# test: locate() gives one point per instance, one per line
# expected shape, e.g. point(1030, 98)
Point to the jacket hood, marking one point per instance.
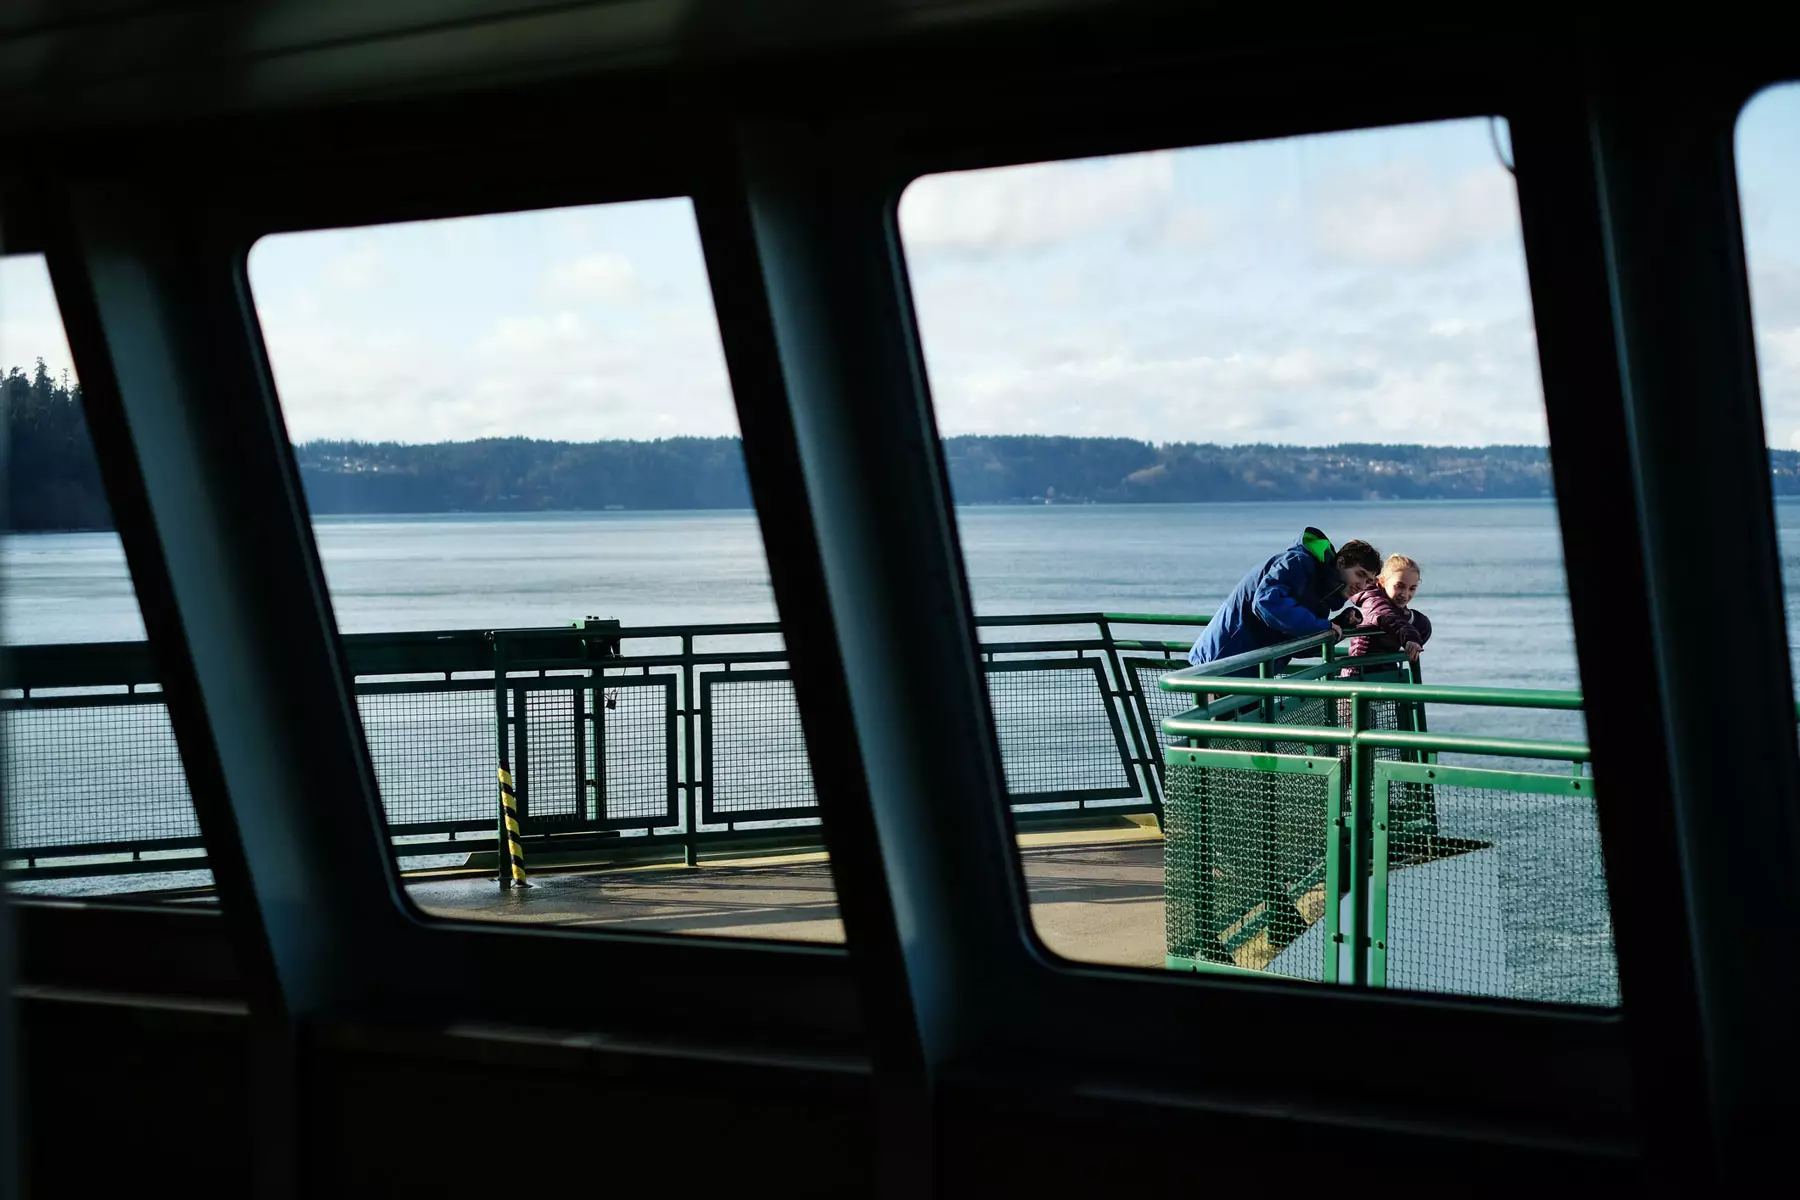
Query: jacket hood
point(1315, 543)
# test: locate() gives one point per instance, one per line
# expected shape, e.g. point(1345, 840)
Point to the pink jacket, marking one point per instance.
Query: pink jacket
point(1397, 624)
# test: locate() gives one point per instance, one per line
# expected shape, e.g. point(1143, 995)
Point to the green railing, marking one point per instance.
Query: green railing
point(684, 734)
point(1312, 831)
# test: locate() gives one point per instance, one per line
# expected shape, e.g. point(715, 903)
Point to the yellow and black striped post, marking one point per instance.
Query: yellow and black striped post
point(513, 853)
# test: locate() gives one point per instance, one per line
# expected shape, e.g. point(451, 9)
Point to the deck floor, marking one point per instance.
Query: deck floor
point(1096, 896)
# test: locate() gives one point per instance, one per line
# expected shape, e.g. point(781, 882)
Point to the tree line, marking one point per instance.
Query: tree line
point(54, 482)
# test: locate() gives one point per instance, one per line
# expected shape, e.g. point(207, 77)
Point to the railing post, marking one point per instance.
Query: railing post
point(509, 857)
point(690, 709)
point(1378, 885)
point(1334, 882)
point(1356, 837)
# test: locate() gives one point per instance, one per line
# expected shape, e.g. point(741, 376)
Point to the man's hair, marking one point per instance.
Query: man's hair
point(1359, 553)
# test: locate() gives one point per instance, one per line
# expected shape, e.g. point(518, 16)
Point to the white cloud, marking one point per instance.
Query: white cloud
point(1212, 294)
point(535, 334)
point(358, 269)
point(547, 375)
point(1399, 215)
point(1188, 227)
point(1018, 208)
point(595, 278)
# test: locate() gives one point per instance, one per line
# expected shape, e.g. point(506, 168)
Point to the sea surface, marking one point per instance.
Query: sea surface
point(1492, 583)
point(1492, 575)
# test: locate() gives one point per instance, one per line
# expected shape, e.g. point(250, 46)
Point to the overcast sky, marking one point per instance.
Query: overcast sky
point(1361, 286)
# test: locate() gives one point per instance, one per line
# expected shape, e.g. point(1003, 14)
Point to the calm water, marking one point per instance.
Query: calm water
point(1493, 571)
point(1493, 579)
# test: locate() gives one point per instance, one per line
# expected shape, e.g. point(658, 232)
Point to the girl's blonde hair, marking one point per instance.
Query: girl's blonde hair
point(1397, 564)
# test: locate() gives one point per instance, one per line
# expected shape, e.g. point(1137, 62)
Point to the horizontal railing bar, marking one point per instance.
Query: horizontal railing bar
point(143, 866)
point(1489, 697)
point(1459, 743)
point(85, 849)
point(1330, 669)
point(608, 632)
point(95, 664)
point(1251, 658)
point(1156, 619)
point(98, 700)
point(1386, 739)
point(1003, 620)
point(1331, 735)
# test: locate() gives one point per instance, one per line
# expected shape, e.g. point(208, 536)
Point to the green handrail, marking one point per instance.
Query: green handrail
point(1491, 697)
point(1156, 619)
point(1383, 739)
point(1252, 658)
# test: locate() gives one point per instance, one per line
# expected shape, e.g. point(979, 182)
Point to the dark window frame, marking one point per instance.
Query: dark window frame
point(1574, 1065)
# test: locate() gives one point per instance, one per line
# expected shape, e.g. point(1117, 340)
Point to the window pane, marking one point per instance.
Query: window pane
point(97, 802)
point(1768, 134)
point(1176, 391)
point(518, 441)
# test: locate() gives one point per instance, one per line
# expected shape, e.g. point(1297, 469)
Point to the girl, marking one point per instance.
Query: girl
point(1387, 608)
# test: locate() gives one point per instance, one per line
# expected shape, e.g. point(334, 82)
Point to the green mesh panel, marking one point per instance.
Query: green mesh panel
point(754, 752)
point(1495, 892)
point(637, 752)
point(1312, 711)
point(550, 784)
point(1056, 730)
point(82, 777)
point(433, 753)
point(1243, 863)
point(1158, 704)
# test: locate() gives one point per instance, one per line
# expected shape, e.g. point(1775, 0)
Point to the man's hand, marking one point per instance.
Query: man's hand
point(1412, 652)
point(1350, 618)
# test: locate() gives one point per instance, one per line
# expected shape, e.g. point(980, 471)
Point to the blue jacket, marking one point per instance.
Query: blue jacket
point(1287, 597)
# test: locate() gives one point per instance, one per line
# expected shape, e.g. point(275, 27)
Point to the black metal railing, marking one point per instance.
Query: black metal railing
point(678, 733)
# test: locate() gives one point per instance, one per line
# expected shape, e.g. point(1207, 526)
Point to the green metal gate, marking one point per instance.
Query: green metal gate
point(1252, 858)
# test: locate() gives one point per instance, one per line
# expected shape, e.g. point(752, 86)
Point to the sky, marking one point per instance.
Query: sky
point(1365, 286)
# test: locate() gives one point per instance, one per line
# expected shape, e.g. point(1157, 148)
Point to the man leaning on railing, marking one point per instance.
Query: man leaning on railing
point(1288, 597)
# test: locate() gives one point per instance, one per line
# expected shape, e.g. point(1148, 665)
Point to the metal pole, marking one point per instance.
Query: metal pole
point(507, 820)
point(1357, 849)
point(690, 710)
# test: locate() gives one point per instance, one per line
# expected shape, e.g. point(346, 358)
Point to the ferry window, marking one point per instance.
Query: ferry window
point(518, 441)
point(1192, 404)
point(1768, 133)
point(97, 803)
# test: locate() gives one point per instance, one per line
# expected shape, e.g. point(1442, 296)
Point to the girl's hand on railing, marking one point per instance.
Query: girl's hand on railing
point(1412, 652)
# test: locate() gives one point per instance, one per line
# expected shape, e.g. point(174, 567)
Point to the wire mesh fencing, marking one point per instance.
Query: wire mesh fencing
point(1494, 885)
point(1247, 863)
point(432, 746)
point(94, 773)
point(753, 757)
point(617, 748)
point(547, 765)
point(633, 739)
point(1155, 704)
point(1059, 732)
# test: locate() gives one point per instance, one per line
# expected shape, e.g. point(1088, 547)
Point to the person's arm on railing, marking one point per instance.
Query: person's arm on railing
point(1275, 605)
point(1394, 622)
